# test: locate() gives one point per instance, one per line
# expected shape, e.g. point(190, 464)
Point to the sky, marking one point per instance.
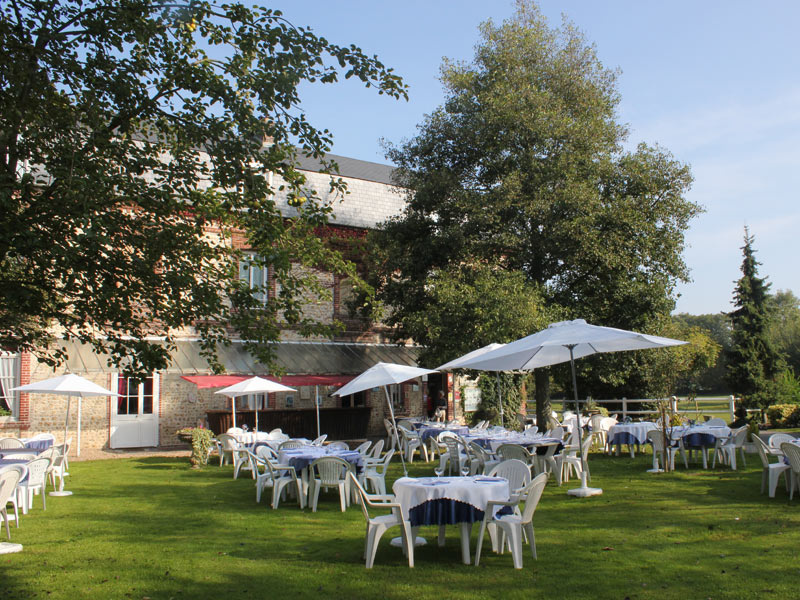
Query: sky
point(717, 83)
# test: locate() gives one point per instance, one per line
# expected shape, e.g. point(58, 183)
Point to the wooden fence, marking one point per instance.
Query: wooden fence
point(338, 423)
point(722, 406)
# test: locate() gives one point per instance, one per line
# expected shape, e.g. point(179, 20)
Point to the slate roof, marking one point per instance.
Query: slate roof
point(351, 167)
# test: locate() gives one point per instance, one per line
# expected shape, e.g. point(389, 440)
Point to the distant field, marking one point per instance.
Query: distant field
point(711, 406)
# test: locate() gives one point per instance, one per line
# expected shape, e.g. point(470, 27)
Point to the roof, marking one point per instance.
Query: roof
point(294, 358)
point(351, 167)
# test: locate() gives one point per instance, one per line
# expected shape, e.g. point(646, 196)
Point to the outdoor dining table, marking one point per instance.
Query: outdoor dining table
point(301, 458)
point(629, 434)
point(428, 431)
point(40, 444)
point(444, 501)
point(26, 453)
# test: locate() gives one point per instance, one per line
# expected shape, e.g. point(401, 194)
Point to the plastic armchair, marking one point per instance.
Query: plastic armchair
point(514, 525)
point(458, 457)
point(363, 449)
point(412, 443)
point(571, 460)
point(771, 472)
point(320, 440)
point(727, 447)
point(9, 443)
point(377, 450)
point(9, 479)
point(377, 526)
point(390, 436)
point(276, 476)
point(338, 446)
point(13, 499)
point(556, 432)
point(230, 446)
point(34, 484)
point(509, 451)
point(326, 472)
point(666, 451)
point(792, 453)
point(516, 472)
point(375, 474)
point(289, 444)
point(775, 441)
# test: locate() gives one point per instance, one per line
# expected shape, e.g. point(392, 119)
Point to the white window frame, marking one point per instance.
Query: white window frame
point(263, 294)
point(10, 381)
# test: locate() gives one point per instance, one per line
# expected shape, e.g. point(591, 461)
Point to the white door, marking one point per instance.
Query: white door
point(134, 419)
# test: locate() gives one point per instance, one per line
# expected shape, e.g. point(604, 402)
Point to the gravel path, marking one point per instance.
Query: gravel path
point(96, 454)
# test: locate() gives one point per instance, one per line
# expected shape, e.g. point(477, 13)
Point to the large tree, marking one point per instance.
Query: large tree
point(784, 327)
point(753, 362)
point(135, 137)
point(523, 169)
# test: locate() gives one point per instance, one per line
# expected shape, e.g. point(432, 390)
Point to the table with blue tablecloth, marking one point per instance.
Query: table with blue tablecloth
point(441, 501)
point(431, 431)
point(301, 458)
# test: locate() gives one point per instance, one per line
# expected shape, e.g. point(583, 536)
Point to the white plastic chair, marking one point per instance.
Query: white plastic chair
point(375, 474)
point(230, 446)
point(34, 484)
point(715, 422)
point(775, 441)
point(667, 452)
point(9, 479)
point(513, 525)
point(13, 499)
point(390, 439)
point(10, 443)
point(276, 476)
point(771, 473)
point(338, 446)
point(727, 447)
point(792, 453)
point(509, 451)
point(482, 461)
point(377, 526)
point(363, 448)
point(289, 444)
point(571, 461)
point(320, 440)
point(516, 472)
point(412, 443)
point(377, 450)
point(326, 472)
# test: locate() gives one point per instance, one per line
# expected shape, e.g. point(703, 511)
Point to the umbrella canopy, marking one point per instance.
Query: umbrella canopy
point(561, 342)
point(254, 385)
point(381, 375)
point(457, 363)
point(67, 385)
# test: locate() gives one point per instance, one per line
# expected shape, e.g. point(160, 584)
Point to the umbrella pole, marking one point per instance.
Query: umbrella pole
point(257, 402)
point(80, 399)
point(233, 410)
point(394, 425)
point(500, 400)
point(316, 406)
point(66, 421)
point(584, 490)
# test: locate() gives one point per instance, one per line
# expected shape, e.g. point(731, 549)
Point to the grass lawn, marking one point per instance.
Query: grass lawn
point(153, 528)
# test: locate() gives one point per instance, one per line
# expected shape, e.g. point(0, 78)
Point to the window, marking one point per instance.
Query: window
point(9, 378)
point(134, 398)
point(398, 396)
point(255, 274)
point(251, 402)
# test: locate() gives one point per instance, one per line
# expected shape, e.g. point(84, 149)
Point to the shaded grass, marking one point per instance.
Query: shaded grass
point(151, 527)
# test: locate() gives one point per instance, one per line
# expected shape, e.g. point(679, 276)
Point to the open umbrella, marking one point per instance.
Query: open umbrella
point(458, 363)
point(254, 385)
point(68, 385)
point(382, 375)
point(561, 342)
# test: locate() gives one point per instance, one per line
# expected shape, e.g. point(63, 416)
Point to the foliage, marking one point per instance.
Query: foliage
point(202, 441)
point(784, 327)
point(4, 412)
point(718, 327)
point(511, 389)
point(752, 361)
point(522, 171)
point(129, 129)
point(781, 416)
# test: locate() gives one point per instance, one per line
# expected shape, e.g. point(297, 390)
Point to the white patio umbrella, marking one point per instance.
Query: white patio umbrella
point(382, 375)
point(254, 385)
point(68, 385)
point(458, 363)
point(561, 342)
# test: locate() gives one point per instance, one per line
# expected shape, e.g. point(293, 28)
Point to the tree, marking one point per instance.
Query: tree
point(130, 131)
point(522, 170)
point(718, 327)
point(784, 327)
point(753, 363)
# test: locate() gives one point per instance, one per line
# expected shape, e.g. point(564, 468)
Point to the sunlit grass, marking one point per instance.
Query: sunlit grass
point(152, 527)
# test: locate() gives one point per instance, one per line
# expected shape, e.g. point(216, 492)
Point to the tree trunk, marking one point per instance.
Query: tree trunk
point(542, 393)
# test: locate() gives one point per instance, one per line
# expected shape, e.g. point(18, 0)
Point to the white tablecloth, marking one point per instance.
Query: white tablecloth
point(477, 490)
point(637, 430)
point(719, 431)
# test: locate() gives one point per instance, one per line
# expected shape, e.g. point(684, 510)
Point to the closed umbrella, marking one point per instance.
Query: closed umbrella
point(68, 385)
point(561, 342)
point(382, 375)
point(254, 385)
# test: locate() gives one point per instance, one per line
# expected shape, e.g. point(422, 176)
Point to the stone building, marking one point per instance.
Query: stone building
point(149, 414)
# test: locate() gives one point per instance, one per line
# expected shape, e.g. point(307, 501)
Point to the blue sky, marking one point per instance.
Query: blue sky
point(715, 82)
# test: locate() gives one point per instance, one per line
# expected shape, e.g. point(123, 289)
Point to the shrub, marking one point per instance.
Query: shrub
point(202, 440)
point(784, 415)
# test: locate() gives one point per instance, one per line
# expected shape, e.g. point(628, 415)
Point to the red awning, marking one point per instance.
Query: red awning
point(210, 381)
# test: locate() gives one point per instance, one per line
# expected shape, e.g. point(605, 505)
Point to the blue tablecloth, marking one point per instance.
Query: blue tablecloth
point(301, 458)
point(40, 445)
point(429, 432)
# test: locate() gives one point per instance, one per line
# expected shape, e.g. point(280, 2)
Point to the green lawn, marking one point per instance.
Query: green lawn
point(153, 528)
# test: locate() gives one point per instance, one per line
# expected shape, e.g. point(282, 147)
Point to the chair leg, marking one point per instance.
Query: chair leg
point(480, 543)
point(410, 538)
point(531, 539)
